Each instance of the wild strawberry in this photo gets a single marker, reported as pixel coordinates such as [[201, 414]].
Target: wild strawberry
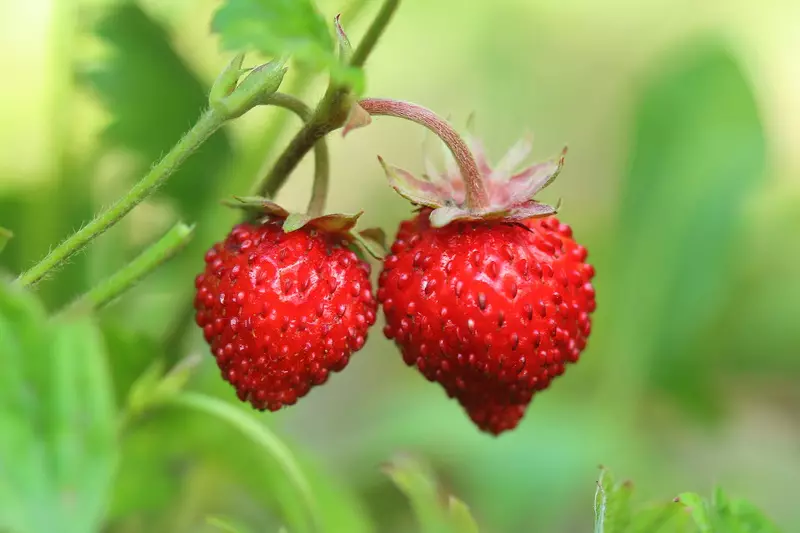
[[484, 291], [283, 309], [492, 311]]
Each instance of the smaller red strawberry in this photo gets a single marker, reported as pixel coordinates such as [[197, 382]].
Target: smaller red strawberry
[[283, 302]]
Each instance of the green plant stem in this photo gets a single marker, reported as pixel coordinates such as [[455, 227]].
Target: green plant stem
[[319, 189], [156, 255], [208, 123], [331, 113], [260, 435], [468, 167], [374, 33]]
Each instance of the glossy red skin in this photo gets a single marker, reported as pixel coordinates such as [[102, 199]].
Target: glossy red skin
[[282, 310], [492, 311]]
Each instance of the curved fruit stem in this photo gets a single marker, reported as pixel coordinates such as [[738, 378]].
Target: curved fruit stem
[[330, 115], [476, 193], [156, 255], [319, 189], [209, 122]]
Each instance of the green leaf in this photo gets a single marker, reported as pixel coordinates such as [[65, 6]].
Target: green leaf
[[461, 517], [420, 487], [225, 525], [699, 510], [5, 236], [739, 516], [260, 435], [284, 27], [666, 518], [58, 453], [154, 97], [699, 153], [612, 506]]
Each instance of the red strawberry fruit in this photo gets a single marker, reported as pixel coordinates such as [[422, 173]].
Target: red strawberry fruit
[[282, 309], [492, 303]]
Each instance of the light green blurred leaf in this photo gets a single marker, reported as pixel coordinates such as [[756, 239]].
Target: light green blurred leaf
[[665, 518], [699, 151], [725, 515], [58, 453], [283, 27], [306, 520], [461, 517], [419, 485], [5, 236], [740, 516], [225, 525], [699, 510], [154, 97], [612, 504]]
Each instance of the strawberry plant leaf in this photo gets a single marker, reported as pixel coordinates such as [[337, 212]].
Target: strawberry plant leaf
[[612, 504], [461, 517], [225, 525], [666, 518], [698, 156], [260, 435], [5, 236], [153, 97], [699, 510], [420, 487], [58, 453], [284, 27]]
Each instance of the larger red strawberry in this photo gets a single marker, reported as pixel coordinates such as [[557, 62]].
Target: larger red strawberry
[[490, 303], [283, 309]]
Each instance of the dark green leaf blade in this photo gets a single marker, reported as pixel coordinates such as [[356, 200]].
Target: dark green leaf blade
[[154, 98]]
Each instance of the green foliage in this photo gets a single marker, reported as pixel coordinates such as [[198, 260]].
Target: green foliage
[[281, 28], [689, 513], [154, 97], [57, 417], [724, 514], [699, 152], [422, 491]]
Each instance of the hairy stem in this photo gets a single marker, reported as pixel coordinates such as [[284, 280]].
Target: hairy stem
[[374, 33], [156, 255], [319, 190], [208, 123], [473, 181]]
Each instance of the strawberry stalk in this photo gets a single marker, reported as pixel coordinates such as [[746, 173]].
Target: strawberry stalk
[[229, 98], [319, 189], [477, 198], [153, 257], [331, 113], [208, 123]]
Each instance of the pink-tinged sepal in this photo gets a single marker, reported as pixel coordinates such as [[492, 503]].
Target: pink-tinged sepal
[[510, 190], [417, 191]]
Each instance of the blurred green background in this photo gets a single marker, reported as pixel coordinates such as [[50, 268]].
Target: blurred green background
[[683, 180]]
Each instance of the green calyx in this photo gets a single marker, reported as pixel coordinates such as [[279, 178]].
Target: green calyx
[[259, 209]]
